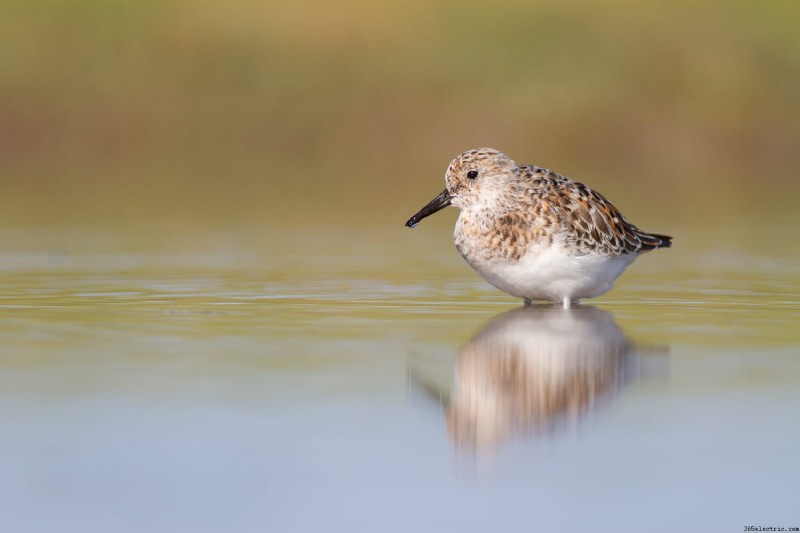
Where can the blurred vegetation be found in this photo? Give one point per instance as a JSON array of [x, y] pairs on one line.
[[292, 112]]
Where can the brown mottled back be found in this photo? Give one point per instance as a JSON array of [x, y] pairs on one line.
[[589, 221]]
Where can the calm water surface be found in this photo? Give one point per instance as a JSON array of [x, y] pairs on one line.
[[350, 379]]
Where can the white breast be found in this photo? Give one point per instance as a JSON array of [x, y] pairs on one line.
[[552, 274]]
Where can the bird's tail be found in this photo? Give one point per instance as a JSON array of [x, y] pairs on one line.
[[653, 241]]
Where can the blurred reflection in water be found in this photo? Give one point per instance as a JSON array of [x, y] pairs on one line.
[[531, 370]]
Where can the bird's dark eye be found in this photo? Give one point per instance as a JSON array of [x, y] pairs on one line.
[[472, 174]]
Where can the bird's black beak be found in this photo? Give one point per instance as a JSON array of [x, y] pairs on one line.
[[438, 203]]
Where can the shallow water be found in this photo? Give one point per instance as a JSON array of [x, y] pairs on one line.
[[312, 379]]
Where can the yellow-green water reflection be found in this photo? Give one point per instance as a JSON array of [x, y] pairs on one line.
[[273, 373]]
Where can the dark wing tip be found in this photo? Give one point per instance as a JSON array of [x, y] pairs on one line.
[[653, 241]]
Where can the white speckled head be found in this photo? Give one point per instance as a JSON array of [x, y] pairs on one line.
[[478, 176]]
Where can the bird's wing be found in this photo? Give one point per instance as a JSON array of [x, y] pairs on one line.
[[590, 222]]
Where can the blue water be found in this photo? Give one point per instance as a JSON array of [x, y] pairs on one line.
[[162, 392]]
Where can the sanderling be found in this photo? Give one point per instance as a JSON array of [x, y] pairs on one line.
[[535, 234]]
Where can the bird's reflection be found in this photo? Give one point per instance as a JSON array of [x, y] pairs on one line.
[[537, 368]]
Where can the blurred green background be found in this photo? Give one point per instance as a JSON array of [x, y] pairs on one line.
[[143, 114]]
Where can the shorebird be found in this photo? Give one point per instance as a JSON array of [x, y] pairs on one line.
[[535, 234]]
